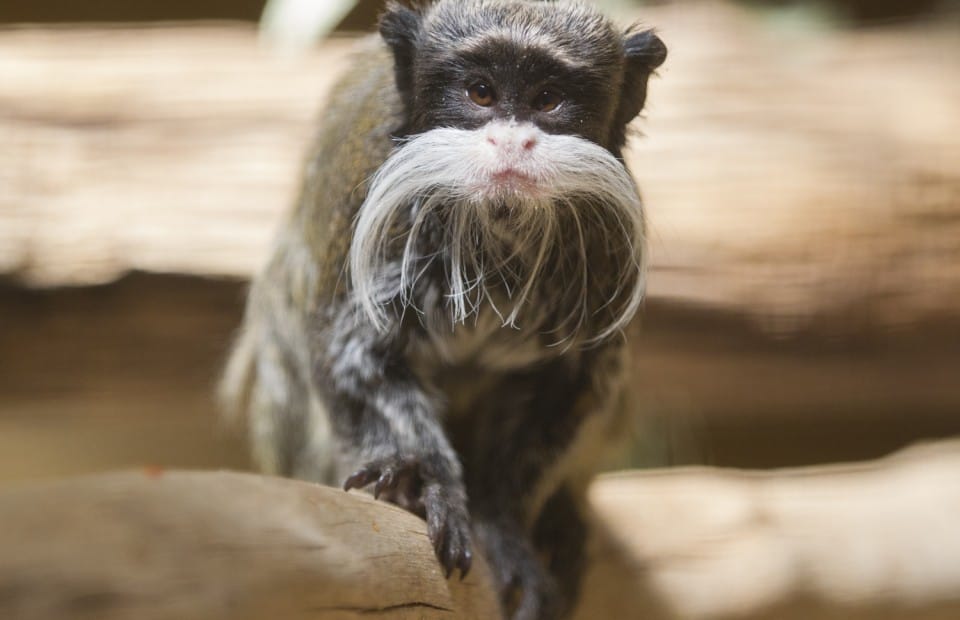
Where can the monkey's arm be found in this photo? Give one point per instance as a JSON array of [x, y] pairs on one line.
[[388, 425]]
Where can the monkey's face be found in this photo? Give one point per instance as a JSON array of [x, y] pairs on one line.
[[515, 116], [557, 67]]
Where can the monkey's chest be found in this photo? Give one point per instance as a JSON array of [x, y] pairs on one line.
[[484, 343], [469, 363]]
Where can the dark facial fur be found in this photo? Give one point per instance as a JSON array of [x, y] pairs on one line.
[[441, 318], [520, 49]]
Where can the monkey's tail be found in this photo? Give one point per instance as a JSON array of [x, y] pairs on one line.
[[236, 384]]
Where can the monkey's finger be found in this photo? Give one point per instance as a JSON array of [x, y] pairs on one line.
[[439, 548], [387, 480], [360, 479], [460, 549], [454, 553], [444, 545], [465, 562], [452, 546]]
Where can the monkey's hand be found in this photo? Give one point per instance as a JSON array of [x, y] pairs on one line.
[[527, 591], [412, 483]]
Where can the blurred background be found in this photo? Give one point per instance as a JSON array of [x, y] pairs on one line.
[[800, 162]]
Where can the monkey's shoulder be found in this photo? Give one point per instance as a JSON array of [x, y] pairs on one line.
[[353, 136], [352, 140]]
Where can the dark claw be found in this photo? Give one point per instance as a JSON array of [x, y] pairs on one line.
[[453, 559], [441, 550], [359, 479], [448, 522], [388, 480], [385, 473], [449, 527], [466, 561]]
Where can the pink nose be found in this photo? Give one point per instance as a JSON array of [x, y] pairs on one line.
[[512, 137]]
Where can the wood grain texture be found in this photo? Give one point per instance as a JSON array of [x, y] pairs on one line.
[[181, 545], [793, 174], [872, 541]]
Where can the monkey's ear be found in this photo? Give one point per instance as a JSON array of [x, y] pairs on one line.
[[644, 52], [400, 27]]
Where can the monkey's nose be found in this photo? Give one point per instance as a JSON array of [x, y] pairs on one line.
[[512, 137]]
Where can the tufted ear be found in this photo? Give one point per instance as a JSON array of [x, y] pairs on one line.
[[400, 28], [644, 52]]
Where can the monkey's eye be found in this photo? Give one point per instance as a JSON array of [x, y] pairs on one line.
[[547, 100], [482, 95]]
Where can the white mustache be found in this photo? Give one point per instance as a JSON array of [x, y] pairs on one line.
[[449, 172]]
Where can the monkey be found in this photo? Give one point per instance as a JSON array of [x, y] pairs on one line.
[[444, 314]]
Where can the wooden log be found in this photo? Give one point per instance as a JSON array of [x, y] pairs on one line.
[[867, 541], [794, 175], [218, 545], [877, 540]]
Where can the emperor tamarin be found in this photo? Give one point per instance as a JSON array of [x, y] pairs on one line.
[[443, 315]]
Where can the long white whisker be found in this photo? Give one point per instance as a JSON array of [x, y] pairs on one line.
[[435, 190]]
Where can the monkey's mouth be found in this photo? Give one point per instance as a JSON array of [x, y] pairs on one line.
[[514, 180]]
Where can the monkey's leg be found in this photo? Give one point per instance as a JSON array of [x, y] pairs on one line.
[[515, 464], [560, 538], [266, 380], [382, 415], [278, 415]]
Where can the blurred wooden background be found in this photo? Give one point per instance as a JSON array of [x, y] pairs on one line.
[[802, 177], [803, 189]]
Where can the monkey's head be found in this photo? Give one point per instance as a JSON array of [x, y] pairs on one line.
[[561, 67], [515, 114]]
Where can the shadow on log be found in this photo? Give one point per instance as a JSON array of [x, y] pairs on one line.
[[877, 540]]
